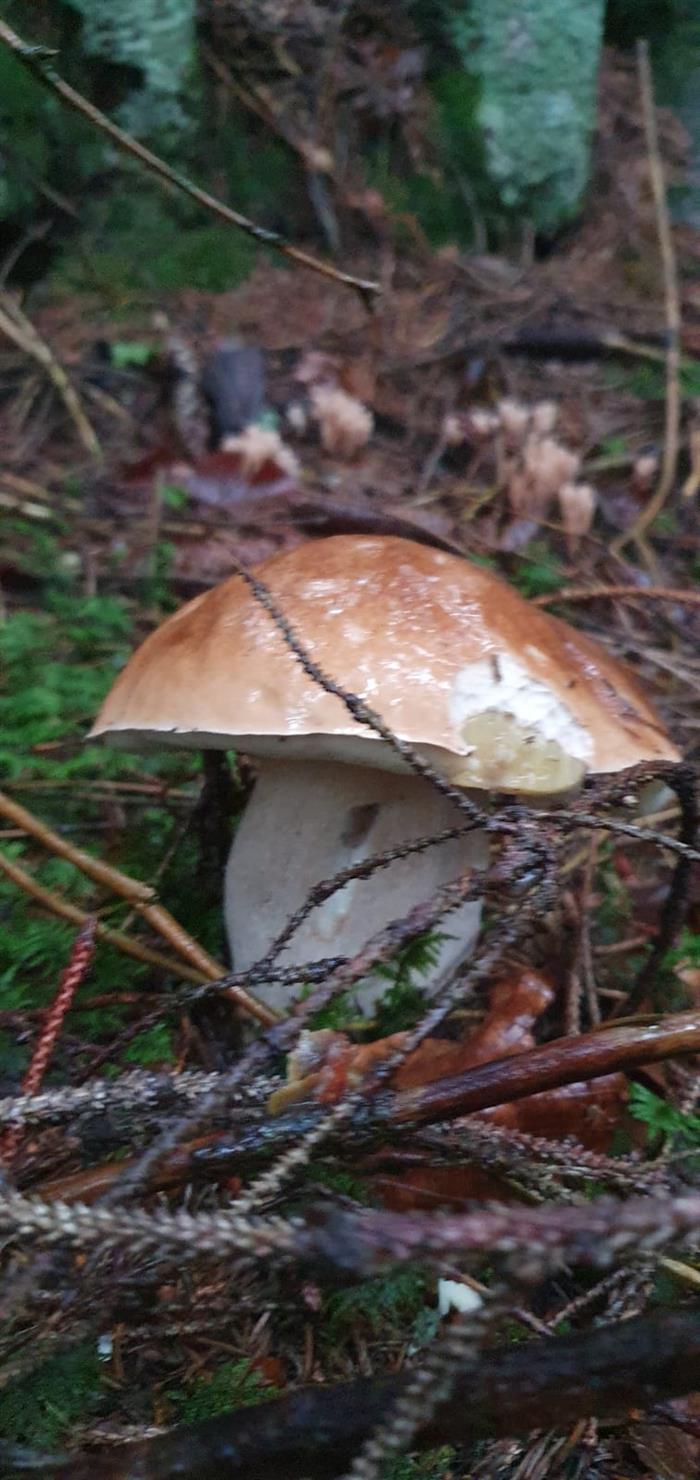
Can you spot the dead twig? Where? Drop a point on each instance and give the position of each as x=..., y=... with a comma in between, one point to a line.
x=585, y=947
x=530, y=1159
x=261, y=102
x=36, y=60
x=692, y=482
x=453, y=1356
x=669, y=464
x=15, y=324
x=613, y=593
x=285, y=1035
x=138, y=1088
x=53, y=902
x=141, y=897
x=531, y=1243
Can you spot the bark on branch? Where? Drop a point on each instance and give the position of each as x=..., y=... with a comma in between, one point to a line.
x=315, y=1432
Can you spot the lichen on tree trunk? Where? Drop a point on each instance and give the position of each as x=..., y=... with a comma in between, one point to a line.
x=536, y=62
x=157, y=38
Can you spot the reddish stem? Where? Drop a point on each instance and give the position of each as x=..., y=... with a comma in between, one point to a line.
x=75, y=972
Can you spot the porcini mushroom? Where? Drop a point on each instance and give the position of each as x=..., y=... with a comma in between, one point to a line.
x=496, y=694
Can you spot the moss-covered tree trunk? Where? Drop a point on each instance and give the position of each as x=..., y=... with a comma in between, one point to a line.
x=536, y=62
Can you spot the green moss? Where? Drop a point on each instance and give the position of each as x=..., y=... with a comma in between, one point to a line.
x=153, y=1046
x=340, y=1182
x=138, y=242
x=55, y=667
x=540, y=572
x=43, y=1408
x=238, y=1385
x=41, y=141
x=687, y=951
x=380, y=1304
x=233, y=1385
x=614, y=904
x=403, y=1001
x=435, y=1465
x=648, y=381
x=436, y=207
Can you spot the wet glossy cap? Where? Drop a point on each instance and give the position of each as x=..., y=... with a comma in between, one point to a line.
x=495, y=692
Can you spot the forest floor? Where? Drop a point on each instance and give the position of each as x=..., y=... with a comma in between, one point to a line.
x=519, y=413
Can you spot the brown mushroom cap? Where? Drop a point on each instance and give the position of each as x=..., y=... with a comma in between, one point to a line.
x=494, y=691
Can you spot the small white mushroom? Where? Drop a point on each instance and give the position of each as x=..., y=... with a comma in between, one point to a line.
x=544, y=417
x=344, y=423
x=256, y=446
x=455, y=1295
x=577, y=502
x=514, y=420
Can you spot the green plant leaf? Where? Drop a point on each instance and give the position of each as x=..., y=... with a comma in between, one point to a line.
x=125, y=352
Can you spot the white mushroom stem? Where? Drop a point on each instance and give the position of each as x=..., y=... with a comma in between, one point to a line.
x=305, y=822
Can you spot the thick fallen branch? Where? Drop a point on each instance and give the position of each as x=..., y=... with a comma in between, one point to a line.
x=565, y=1061
x=315, y=1432
x=531, y=1242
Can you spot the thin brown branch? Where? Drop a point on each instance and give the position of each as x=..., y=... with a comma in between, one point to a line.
x=357, y=1121
x=140, y=896
x=17, y=327
x=380, y=948
x=142, y=1170
x=35, y=59
x=613, y=593
x=672, y=301
x=284, y=1035
x=260, y=101
x=53, y=902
